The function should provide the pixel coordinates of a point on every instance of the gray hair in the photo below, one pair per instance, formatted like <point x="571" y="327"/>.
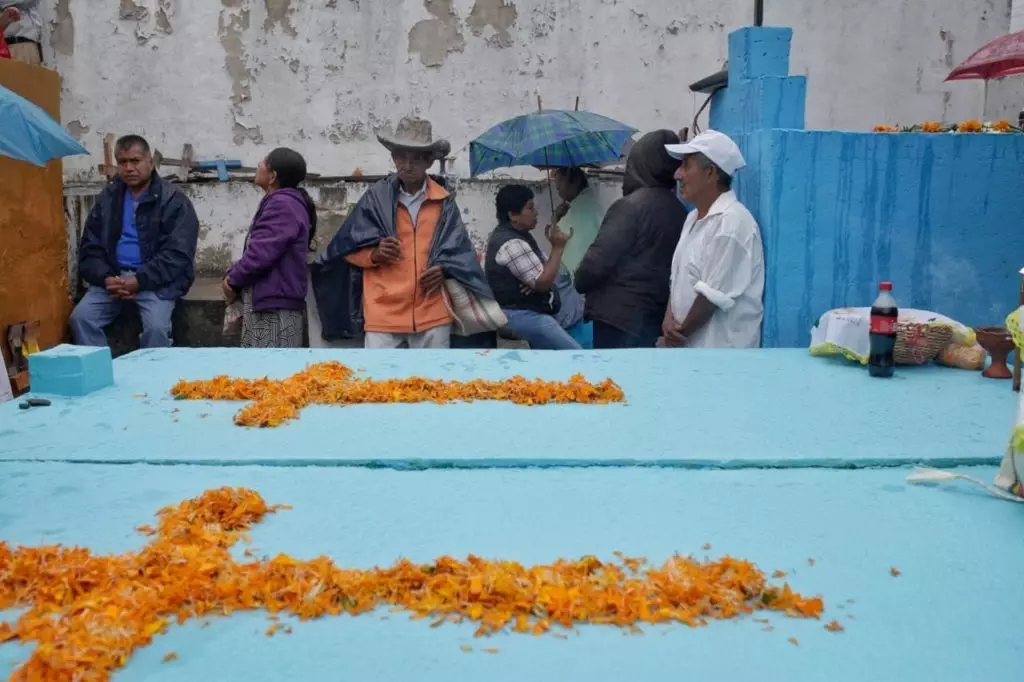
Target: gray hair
<point x="724" y="179"/>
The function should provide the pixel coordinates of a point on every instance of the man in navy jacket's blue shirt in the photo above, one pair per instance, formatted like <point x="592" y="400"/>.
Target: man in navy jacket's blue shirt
<point x="138" y="246"/>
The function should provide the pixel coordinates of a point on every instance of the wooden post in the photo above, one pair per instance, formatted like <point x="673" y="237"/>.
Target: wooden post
<point x="188" y="158"/>
<point x="1017" y="351"/>
<point x="109" y="169"/>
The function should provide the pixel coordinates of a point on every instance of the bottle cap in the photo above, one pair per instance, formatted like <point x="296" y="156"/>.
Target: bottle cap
<point x="885" y="286"/>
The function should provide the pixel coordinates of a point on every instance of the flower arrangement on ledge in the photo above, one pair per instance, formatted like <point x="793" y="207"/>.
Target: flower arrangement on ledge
<point x="968" y="126"/>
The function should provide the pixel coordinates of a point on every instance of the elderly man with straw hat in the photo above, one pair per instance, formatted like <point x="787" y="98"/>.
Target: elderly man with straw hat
<point x="404" y="238"/>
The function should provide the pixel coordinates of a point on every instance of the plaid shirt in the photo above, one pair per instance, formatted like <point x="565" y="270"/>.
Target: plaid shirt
<point x="520" y="259"/>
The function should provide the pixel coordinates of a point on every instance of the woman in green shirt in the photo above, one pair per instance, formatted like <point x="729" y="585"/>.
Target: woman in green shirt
<point x="579" y="213"/>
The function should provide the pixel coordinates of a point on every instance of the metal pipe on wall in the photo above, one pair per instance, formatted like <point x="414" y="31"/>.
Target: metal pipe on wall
<point x="758" y="12"/>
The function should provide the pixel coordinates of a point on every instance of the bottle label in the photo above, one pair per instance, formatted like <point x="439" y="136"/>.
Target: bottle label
<point x="883" y="325"/>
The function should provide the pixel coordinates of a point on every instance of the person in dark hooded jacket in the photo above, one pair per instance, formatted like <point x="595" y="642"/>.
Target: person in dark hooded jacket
<point x="625" y="272"/>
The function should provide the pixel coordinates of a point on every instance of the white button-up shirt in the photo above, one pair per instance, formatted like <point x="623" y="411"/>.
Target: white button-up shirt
<point x="720" y="257"/>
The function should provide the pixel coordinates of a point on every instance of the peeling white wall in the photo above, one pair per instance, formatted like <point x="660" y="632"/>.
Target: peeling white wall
<point x="238" y="77"/>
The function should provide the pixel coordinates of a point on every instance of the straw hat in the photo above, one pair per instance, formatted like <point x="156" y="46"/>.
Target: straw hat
<point x="414" y="135"/>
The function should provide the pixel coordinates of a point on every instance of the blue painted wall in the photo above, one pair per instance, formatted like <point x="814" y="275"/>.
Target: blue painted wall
<point x="941" y="216"/>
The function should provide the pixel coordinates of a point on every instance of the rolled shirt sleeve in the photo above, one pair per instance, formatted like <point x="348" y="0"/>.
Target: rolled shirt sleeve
<point x="726" y="268"/>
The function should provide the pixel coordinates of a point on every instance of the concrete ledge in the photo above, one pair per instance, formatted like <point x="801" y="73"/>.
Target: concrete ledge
<point x="197" y="321"/>
<point x="199" y="318"/>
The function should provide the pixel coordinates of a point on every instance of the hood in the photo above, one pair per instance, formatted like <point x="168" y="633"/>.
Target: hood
<point x="649" y="165"/>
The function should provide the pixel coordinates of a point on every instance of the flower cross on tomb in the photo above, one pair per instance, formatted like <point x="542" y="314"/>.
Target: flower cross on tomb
<point x="275" y="401"/>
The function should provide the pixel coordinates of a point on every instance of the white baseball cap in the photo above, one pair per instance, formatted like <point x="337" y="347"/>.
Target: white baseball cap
<point x="716" y="146"/>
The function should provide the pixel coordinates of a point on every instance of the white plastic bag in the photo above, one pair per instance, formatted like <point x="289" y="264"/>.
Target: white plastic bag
<point x="5" y="384"/>
<point x="233" y="318"/>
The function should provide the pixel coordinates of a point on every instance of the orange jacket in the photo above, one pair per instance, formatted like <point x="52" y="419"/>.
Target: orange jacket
<point x="393" y="301"/>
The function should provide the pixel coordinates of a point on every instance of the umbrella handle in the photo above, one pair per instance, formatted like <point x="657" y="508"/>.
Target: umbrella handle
<point x="551" y="193"/>
<point x="547" y="169"/>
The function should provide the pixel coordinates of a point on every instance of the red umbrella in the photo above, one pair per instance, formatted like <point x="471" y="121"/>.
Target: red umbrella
<point x="1002" y="57"/>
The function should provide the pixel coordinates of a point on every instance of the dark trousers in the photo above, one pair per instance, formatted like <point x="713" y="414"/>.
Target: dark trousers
<point x="607" y="336"/>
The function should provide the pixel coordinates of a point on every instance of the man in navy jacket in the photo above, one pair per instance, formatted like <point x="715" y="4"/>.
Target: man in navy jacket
<point x="138" y="246"/>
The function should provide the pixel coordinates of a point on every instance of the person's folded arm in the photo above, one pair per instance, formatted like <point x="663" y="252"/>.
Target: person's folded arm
<point x="549" y="273"/>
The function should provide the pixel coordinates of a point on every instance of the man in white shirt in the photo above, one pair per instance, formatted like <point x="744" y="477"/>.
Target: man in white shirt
<point x="717" y="285"/>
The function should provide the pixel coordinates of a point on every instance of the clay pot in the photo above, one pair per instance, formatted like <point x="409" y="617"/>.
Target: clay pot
<point x="998" y="342"/>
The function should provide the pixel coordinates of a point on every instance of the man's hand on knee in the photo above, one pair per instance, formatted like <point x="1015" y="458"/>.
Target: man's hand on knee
<point x="131" y="286"/>
<point x="122" y="288"/>
<point x="113" y="285"/>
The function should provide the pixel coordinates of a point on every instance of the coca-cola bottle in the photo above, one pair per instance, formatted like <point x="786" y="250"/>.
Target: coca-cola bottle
<point x="884" y="313"/>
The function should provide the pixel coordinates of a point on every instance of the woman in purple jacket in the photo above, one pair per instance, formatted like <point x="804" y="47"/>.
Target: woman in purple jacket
<point x="271" y="275"/>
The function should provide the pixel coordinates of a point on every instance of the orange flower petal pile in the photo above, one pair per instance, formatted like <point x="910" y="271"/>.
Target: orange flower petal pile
<point x="332" y="383"/>
<point x="87" y="613"/>
<point x="968" y="126"/>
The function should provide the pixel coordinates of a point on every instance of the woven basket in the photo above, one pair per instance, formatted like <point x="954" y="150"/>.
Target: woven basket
<point x="919" y="344"/>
